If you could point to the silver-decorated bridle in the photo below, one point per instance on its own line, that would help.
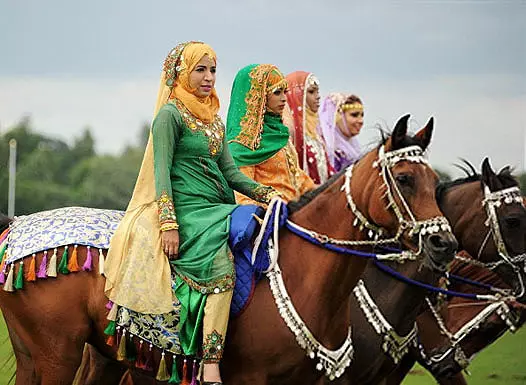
(492, 201)
(385, 162)
(500, 307)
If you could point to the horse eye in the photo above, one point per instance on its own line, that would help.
(404, 180)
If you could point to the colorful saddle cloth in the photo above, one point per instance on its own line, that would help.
(50, 229)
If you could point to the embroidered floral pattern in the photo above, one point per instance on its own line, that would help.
(214, 131)
(166, 211)
(255, 100)
(213, 347)
(292, 165)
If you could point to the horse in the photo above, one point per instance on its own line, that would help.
(476, 323)
(385, 325)
(391, 187)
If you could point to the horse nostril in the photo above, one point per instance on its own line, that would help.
(442, 242)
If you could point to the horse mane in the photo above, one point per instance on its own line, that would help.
(4, 222)
(505, 177)
(476, 273)
(306, 198)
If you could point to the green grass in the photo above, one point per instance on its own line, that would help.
(504, 362)
(7, 362)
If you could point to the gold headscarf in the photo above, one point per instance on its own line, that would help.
(137, 270)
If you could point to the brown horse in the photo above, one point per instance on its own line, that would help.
(401, 303)
(487, 325)
(53, 320)
(457, 312)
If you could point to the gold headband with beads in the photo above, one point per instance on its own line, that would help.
(351, 107)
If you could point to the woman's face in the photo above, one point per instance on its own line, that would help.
(203, 77)
(276, 101)
(313, 98)
(354, 123)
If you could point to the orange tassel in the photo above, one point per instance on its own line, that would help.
(2, 265)
(110, 341)
(73, 264)
(31, 274)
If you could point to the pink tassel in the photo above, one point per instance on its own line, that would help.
(2, 275)
(194, 374)
(89, 261)
(42, 272)
(109, 305)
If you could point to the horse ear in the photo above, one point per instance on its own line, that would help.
(399, 133)
(488, 175)
(424, 135)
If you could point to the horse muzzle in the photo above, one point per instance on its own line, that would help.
(440, 248)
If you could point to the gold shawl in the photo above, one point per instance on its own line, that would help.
(137, 270)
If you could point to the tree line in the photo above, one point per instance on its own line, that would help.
(52, 173)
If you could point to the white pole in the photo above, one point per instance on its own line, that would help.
(12, 178)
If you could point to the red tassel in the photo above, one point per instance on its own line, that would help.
(139, 362)
(185, 374)
(149, 359)
(73, 264)
(31, 274)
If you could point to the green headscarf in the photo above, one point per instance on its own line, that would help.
(253, 135)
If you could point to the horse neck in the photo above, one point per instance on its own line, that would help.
(462, 206)
(399, 302)
(327, 277)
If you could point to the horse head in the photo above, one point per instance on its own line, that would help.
(395, 187)
(488, 215)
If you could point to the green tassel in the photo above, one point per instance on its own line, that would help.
(2, 251)
(174, 378)
(131, 349)
(63, 266)
(110, 329)
(19, 282)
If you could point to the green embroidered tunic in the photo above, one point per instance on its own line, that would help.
(194, 179)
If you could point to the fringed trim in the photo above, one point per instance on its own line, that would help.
(63, 266)
(31, 275)
(8, 286)
(139, 352)
(162, 372)
(194, 373)
(42, 272)
(73, 264)
(52, 268)
(89, 261)
(19, 282)
(101, 262)
(48, 267)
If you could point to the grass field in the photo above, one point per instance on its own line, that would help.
(502, 363)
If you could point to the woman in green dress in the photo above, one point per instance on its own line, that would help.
(181, 209)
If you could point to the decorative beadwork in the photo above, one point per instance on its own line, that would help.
(174, 62)
(214, 131)
(213, 347)
(166, 211)
(252, 122)
(393, 344)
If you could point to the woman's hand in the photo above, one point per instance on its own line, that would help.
(170, 243)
